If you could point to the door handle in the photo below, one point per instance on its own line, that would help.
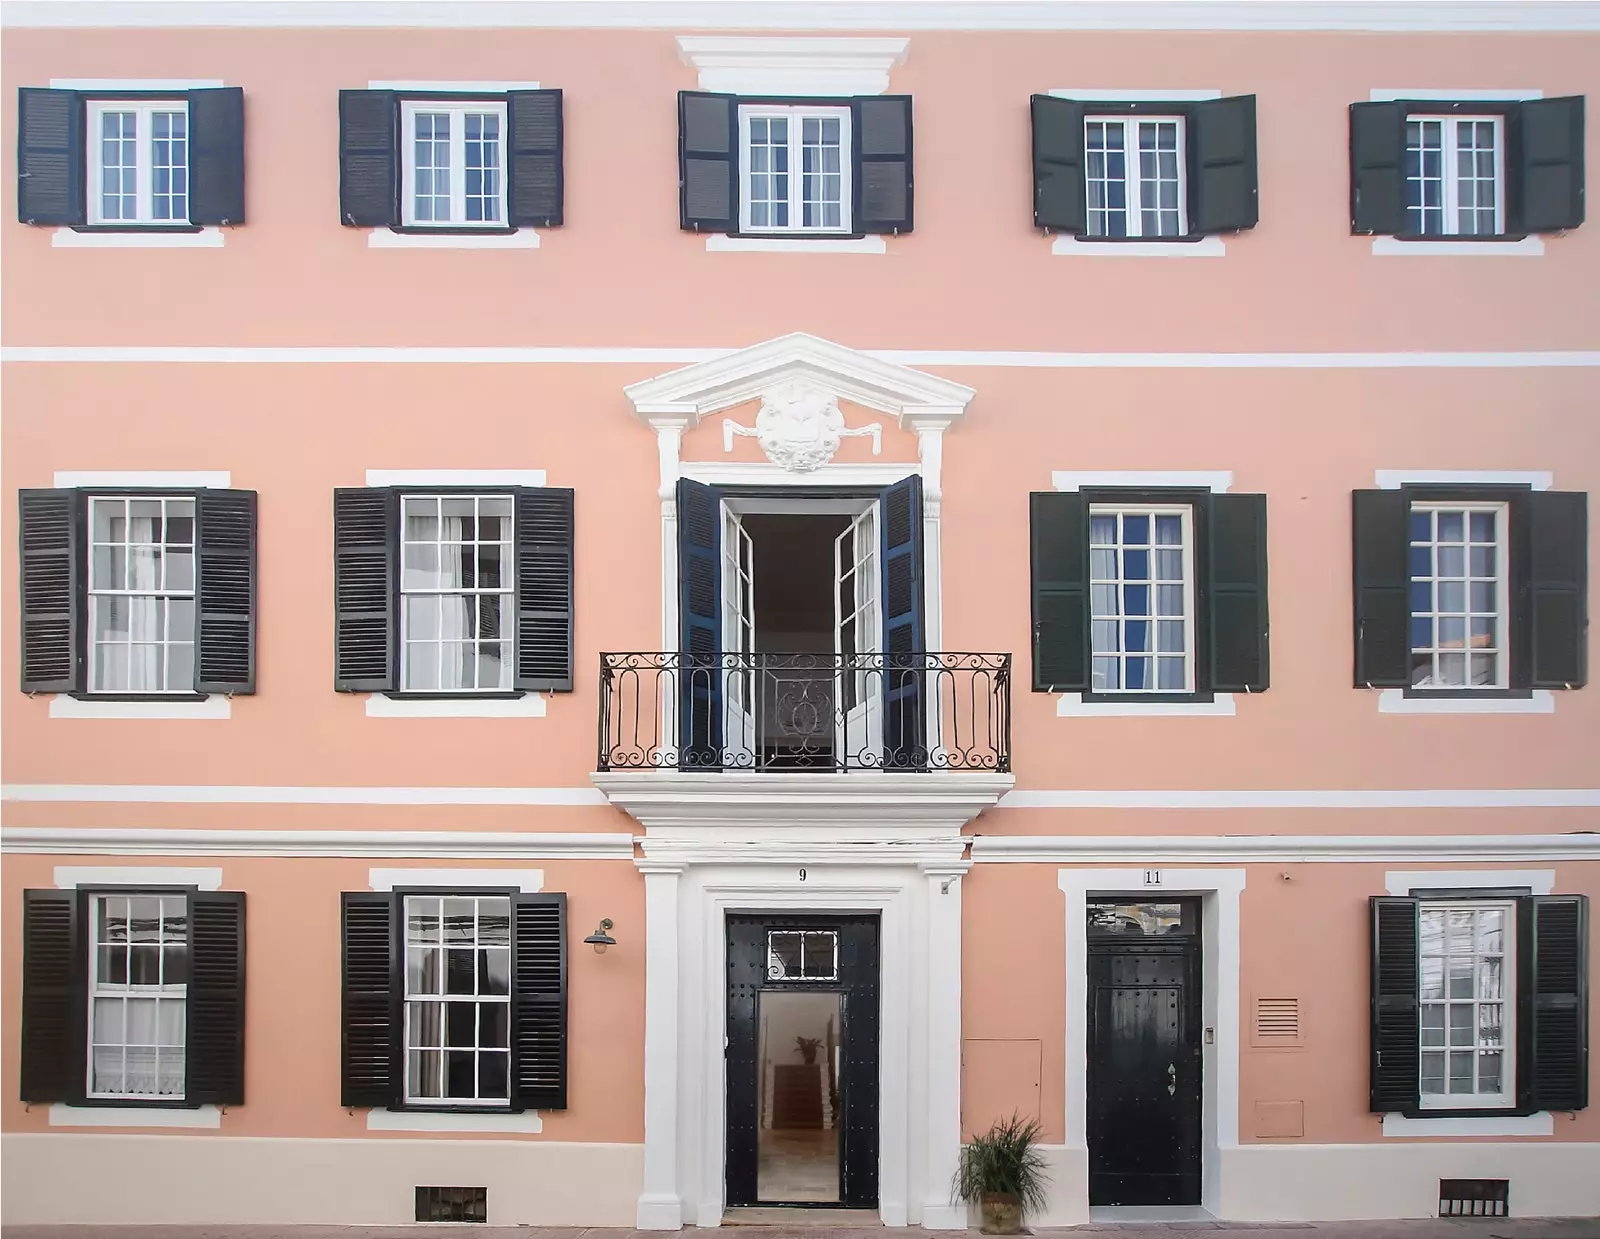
(1172, 1079)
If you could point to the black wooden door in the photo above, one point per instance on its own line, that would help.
(1144, 1081)
(854, 977)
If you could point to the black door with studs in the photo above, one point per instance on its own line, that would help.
(1144, 1061)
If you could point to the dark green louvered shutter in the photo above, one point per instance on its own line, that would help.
(54, 971)
(544, 588)
(369, 158)
(366, 524)
(539, 1002)
(1550, 164)
(1236, 587)
(1059, 203)
(371, 1001)
(1556, 611)
(1380, 541)
(1377, 168)
(216, 156)
(534, 153)
(214, 1040)
(1396, 1032)
(708, 162)
(1059, 541)
(882, 186)
(1556, 1002)
(225, 636)
(50, 156)
(50, 533)
(1223, 189)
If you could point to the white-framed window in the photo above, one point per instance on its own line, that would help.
(802, 955)
(138, 989)
(138, 161)
(453, 163)
(1455, 175)
(458, 612)
(1460, 595)
(796, 169)
(1141, 598)
(141, 594)
(458, 1000)
(1466, 987)
(1134, 176)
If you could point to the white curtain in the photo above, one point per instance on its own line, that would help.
(145, 614)
(458, 621)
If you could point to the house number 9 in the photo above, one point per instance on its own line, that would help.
(802, 875)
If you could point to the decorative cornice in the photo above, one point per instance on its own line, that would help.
(442, 844)
(1147, 850)
(945, 855)
(790, 65)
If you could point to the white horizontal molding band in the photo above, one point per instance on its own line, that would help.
(1150, 850)
(789, 65)
(1395, 701)
(1526, 247)
(176, 239)
(151, 793)
(387, 239)
(526, 1123)
(455, 477)
(528, 881)
(1072, 247)
(62, 1115)
(1405, 882)
(1215, 480)
(529, 705)
(1394, 479)
(1541, 1124)
(1389, 94)
(1085, 94)
(71, 877)
(441, 844)
(474, 88)
(212, 707)
(186, 478)
(135, 83)
(1337, 798)
(719, 242)
(1072, 705)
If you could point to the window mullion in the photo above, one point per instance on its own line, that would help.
(458, 166)
(797, 193)
(143, 159)
(1450, 186)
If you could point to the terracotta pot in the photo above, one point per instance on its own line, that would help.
(1002, 1214)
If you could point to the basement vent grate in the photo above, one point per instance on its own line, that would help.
(1474, 1197)
(452, 1204)
(1277, 1021)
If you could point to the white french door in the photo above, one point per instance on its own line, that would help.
(858, 687)
(738, 643)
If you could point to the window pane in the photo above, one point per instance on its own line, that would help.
(424, 1027)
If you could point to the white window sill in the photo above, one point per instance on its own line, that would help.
(721, 242)
(133, 1116)
(1072, 705)
(1528, 247)
(69, 239)
(1205, 247)
(1540, 1124)
(385, 239)
(528, 1122)
(529, 705)
(214, 706)
(1395, 701)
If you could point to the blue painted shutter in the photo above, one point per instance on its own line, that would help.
(369, 158)
(882, 167)
(1059, 204)
(1377, 168)
(900, 515)
(708, 162)
(50, 170)
(534, 180)
(216, 156)
(699, 624)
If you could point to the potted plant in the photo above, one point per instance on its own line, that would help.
(808, 1048)
(1004, 1171)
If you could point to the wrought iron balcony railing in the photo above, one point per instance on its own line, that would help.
(900, 711)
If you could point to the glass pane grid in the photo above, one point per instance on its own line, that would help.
(1475, 177)
(137, 993)
(1465, 1042)
(1457, 566)
(141, 595)
(431, 152)
(1158, 178)
(169, 166)
(1140, 627)
(119, 145)
(458, 614)
(1424, 170)
(458, 999)
(1106, 178)
(482, 165)
(822, 181)
(802, 955)
(768, 164)
(1452, 175)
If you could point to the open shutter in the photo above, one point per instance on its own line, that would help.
(1556, 611)
(370, 1001)
(216, 156)
(50, 531)
(1223, 188)
(225, 639)
(1557, 1003)
(369, 158)
(534, 157)
(1377, 175)
(544, 589)
(1236, 582)
(539, 1002)
(1059, 537)
(1551, 164)
(1382, 588)
(50, 166)
(54, 968)
(904, 633)
(881, 127)
(1059, 203)
(366, 522)
(708, 162)
(1395, 1032)
(214, 1042)
(699, 625)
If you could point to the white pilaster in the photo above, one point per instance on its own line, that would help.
(660, 1207)
(941, 1129)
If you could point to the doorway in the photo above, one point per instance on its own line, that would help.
(1144, 1051)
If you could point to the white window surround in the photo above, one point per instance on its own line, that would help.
(528, 881)
(71, 877)
(63, 1115)
(220, 479)
(719, 242)
(793, 66)
(1394, 479)
(455, 477)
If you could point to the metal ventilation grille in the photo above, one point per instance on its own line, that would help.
(452, 1204)
(1474, 1197)
(1277, 1022)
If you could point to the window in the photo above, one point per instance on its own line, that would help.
(1458, 596)
(1134, 176)
(1465, 955)
(796, 169)
(802, 955)
(454, 164)
(138, 971)
(1141, 599)
(139, 162)
(1455, 174)
(141, 595)
(458, 597)
(458, 999)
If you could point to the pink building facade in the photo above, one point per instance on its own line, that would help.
(771, 627)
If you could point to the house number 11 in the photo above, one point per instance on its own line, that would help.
(1152, 877)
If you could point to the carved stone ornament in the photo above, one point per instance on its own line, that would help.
(799, 427)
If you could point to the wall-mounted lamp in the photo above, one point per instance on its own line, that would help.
(601, 938)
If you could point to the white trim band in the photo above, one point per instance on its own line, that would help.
(71, 877)
(529, 705)
(213, 707)
(528, 881)
(465, 88)
(1215, 480)
(526, 1123)
(1284, 849)
(91, 84)
(1394, 479)
(719, 242)
(1403, 882)
(1160, 95)
(151, 793)
(790, 65)
(1288, 798)
(437, 844)
(62, 1115)
(149, 239)
(1525, 247)
(1389, 94)
(1071, 247)
(1136, 705)
(1395, 701)
(1542, 1123)
(186, 478)
(455, 477)
(523, 238)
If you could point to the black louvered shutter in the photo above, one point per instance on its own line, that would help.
(225, 638)
(50, 156)
(50, 533)
(1556, 1002)
(883, 188)
(1396, 1034)
(534, 154)
(214, 1042)
(904, 626)
(369, 158)
(371, 1001)
(366, 523)
(1382, 588)
(1555, 612)
(544, 589)
(1059, 203)
(216, 156)
(539, 1002)
(1377, 168)
(1550, 137)
(708, 162)
(1060, 537)
(54, 971)
(1236, 584)
(1223, 186)
(699, 625)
